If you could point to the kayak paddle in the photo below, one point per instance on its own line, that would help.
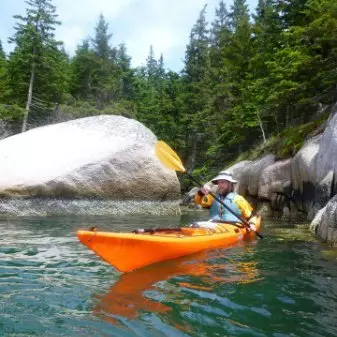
(171, 160)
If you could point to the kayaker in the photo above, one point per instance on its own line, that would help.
(225, 192)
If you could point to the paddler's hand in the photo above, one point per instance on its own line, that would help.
(252, 227)
(205, 189)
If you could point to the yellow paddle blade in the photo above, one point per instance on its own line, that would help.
(168, 157)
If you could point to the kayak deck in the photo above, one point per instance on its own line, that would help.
(130, 251)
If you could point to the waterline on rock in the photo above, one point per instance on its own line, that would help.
(56, 206)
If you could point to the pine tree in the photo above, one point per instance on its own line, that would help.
(175, 133)
(2, 72)
(101, 42)
(151, 64)
(82, 68)
(124, 63)
(106, 83)
(267, 39)
(33, 65)
(239, 51)
(155, 93)
(267, 31)
(123, 59)
(239, 12)
(2, 52)
(197, 91)
(319, 33)
(220, 82)
(161, 67)
(196, 56)
(292, 68)
(148, 109)
(292, 12)
(237, 120)
(166, 123)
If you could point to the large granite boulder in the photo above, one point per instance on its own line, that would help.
(109, 157)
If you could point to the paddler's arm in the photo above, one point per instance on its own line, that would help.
(246, 209)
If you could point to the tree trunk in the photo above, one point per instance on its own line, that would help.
(29, 99)
(193, 151)
(261, 127)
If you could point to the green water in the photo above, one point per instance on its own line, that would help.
(51, 285)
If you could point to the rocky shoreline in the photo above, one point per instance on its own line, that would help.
(302, 186)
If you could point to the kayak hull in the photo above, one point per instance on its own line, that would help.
(129, 251)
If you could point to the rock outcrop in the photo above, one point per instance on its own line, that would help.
(249, 174)
(275, 179)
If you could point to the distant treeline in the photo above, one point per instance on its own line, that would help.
(244, 79)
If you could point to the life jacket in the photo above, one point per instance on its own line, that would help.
(221, 213)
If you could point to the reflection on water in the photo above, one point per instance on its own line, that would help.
(129, 296)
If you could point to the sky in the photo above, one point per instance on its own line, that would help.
(164, 24)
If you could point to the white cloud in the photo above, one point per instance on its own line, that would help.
(71, 36)
(162, 40)
(87, 10)
(80, 17)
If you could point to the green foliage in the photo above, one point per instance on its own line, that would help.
(79, 109)
(101, 42)
(196, 94)
(292, 139)
(81, 68)
(2, 53)
(284, 144)
(11, 112)
(125, 72)
(155, 93)
(3, 62)
(101, 72)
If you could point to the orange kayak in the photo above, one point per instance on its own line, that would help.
(130, 251)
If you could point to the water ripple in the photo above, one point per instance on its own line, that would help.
(51, 285)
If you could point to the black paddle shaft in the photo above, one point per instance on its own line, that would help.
(224, 205)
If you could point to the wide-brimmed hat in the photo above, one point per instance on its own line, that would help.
(224, 176)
